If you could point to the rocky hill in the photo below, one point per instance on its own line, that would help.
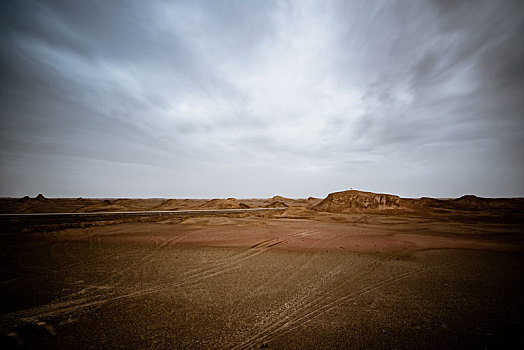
(350, 201)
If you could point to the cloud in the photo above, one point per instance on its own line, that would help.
(326, 94)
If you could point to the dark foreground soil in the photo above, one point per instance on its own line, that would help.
(368, 282)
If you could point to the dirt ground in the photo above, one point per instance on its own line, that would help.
(292, 279)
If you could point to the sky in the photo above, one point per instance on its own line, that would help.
(206, 99)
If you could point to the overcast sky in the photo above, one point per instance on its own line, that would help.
(257, 98)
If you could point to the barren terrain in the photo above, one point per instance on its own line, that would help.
(355, 270)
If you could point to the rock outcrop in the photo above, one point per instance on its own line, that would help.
(351, 201)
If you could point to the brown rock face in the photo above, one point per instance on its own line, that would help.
(350, 201)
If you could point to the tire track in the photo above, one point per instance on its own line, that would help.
(341, 301)
(287, 324)
(308, 261)
(195, 279)
(365, 270)
(118, 278)
(81, 299)
(321, 295)
(253, 251)
(234, 262)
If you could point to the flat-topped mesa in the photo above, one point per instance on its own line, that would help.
(350, 201)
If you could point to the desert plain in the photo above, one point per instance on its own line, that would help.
(355, 270)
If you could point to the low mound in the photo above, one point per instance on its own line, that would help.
(101, 207)
(350, 201)
(123, 201)
(471, 202)
(230, 203)
(474, 201)
(279, 199)
(27, 199)
(25, 205)
(170, 204)
(428, 201)
(23, 199)
(29, 205)
(83, 201)
(276, 204)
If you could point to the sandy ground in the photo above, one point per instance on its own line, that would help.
(295, 279)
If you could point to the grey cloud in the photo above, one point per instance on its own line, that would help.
(324, 93)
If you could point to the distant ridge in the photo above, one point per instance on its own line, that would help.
(230, 203)
(355, 201)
